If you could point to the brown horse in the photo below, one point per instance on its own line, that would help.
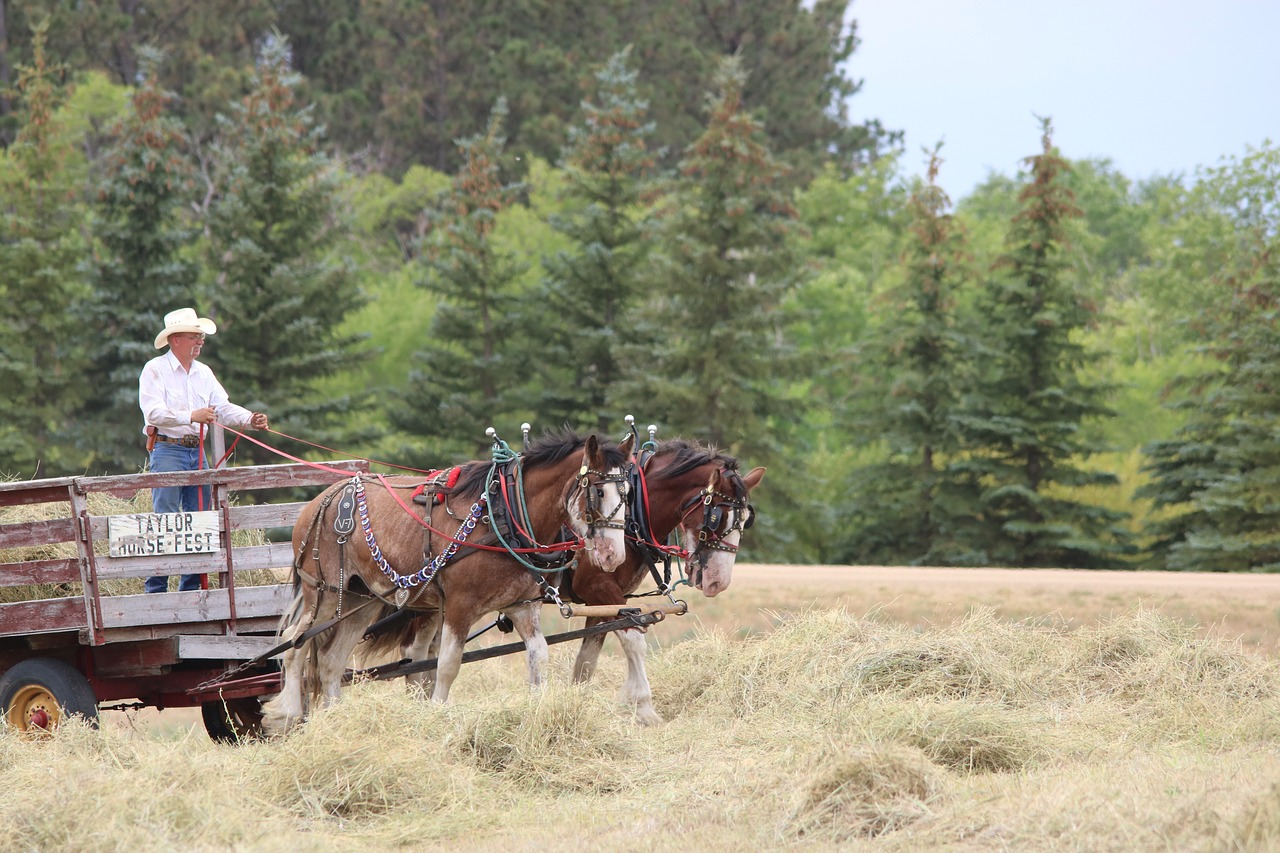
(677, 485)
(476, 538)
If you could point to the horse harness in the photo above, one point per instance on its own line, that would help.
(501, 505)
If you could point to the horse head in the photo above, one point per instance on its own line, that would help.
(596, 501)
(712, 524)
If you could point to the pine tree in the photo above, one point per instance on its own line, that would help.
(471, 365)
(909, 507)
(1218, 478)
(1023, 424)
(143, 268)
(716, 349)
(591, 290)
(42, 346)
(283, 288)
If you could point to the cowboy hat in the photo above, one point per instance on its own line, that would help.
(184, 320)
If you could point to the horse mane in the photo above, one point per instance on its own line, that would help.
(551, 447)
(690, 455)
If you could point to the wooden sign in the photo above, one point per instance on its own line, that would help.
(160, 533)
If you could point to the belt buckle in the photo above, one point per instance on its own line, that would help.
(190, 441)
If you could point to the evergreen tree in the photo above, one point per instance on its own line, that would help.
(1219, 476)
(909, 507)
(716, 350)
(590, 292)
(1023, 424)
(283, 288)
(471, 364)
(143, 267)
(42, 346)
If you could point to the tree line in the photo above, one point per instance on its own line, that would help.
(933, 384)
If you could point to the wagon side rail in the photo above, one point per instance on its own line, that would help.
(65, 543)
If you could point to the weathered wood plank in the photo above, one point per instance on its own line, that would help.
(57, 570)
(43, 616)
(32, 534)
(175, 608)
(258, 625)
(265, 515)
(198, 647)
(21, 492)
(271, 556)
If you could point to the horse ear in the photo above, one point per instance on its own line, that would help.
(628, 446)
(754, 477)
(591, 448)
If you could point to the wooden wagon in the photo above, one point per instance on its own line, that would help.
(72, 651)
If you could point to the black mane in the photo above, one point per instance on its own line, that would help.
(689, 455)
(548, 449)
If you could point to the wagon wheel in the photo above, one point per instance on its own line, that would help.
(40, 693)
(232, 720)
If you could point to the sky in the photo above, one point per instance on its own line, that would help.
(1157, 86)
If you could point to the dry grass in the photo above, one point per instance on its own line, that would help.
(832, 730)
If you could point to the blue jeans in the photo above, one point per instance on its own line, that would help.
(166, 458)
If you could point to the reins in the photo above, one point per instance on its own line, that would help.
(512, 499)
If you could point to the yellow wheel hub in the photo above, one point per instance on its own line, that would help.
(33, 709)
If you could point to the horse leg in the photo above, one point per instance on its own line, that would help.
(284, 710)
(636, 690)
(425, 643)
(527, 619)
(453, 635)
(584, 665)
(333, 656)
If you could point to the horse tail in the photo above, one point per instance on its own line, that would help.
(293, 613)
(391, 638)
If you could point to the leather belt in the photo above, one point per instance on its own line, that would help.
(185, 441)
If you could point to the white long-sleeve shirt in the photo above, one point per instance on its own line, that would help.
(168, 394)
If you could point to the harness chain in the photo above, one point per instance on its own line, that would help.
(428, 571)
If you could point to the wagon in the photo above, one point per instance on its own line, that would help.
(76, 648)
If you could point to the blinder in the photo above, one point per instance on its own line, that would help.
(713, 517)
(591, 483)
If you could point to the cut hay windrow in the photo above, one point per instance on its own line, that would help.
(1129, 734)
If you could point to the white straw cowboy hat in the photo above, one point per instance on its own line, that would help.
(184, 320)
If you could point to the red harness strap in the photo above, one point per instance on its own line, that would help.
(450, 479)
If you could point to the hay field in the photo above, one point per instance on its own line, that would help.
(901, 711)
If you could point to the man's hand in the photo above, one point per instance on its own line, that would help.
(202, 416)
(259, 420)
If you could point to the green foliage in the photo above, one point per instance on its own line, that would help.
(911, 505)
(402, 81)
(282, 288)
(1022, 424)
(716, 340)
(1221, 472)
(143, 226)
(774, 310)
(591, 288)
(469, 367)
(42, 346)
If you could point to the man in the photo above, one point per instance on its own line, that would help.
(178, 395)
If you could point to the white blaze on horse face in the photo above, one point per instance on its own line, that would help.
(717, 565)
(608, 548)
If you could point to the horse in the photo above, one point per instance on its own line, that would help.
(517, 501)
(676, 485)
